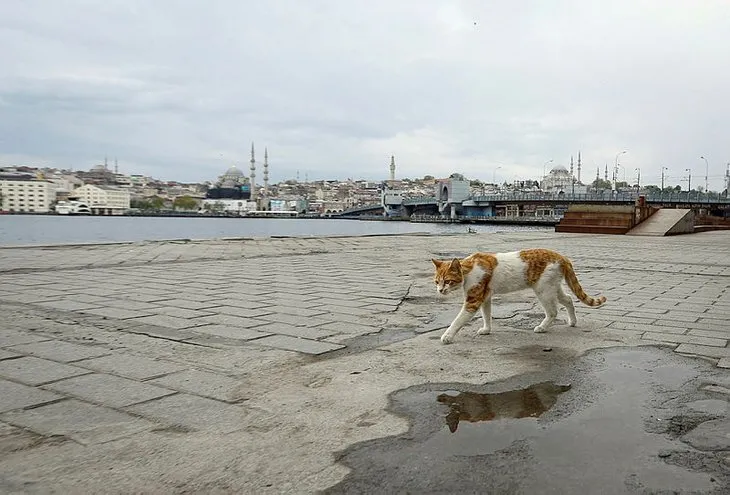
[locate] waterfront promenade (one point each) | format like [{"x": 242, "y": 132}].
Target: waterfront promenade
[{"x": 246, "y": 365}]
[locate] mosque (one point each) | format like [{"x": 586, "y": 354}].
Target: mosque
[
  {"x": 238, "y": 193},
  {"x": 561, "y": 180}
]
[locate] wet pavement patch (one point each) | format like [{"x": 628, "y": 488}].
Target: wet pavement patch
[{"x": 625, "y": 420}]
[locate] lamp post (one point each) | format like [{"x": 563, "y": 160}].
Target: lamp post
[
  {"x": 663, "y": 169},
  {"x": 494, "y": 175},
  {"x": 615, "y": 168},
  {"x": 638, "y": 179},
  {"x": 543, "y": 166},
  {"x": 689, "y": 180},
  {"x": 707, "y": 171}
]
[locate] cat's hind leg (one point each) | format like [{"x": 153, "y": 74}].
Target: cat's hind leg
[
  {"x": 461, "y": 319},
  {"x": 549, "y": 301},
  {"x": 486, "y": 309},
  {"x": 567, "y": 302}
]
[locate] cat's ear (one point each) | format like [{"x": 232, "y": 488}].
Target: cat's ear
[
  {"x": 455, "y": 264},
  {"x": 437, "y": 263}
]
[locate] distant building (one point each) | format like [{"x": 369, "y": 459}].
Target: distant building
[
  {"x": 25, "y": 194},
  {"x": 103, "y": 200},
  {"x": 231, "y": 185},
  {"x": 227, "y": 205},
  {"x": 559, "y": 180}
]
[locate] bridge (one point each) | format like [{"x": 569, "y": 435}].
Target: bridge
[{"x": 532, "y": 204}]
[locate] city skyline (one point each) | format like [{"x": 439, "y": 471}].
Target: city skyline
[{"x": 335, "y": 89}]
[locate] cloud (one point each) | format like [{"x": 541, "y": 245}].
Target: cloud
[{"x": 180, "y": 89}]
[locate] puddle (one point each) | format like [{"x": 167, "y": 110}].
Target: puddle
[
  {"x": 632, "y": 420},
  {"x": 530, "y": 402}
]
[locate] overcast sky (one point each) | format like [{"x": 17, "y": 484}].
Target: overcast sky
[{"x": 178, "y": 89}]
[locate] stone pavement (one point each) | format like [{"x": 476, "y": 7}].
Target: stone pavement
[{"x": 244, "y": 365}]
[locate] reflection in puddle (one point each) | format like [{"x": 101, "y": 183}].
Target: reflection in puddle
[{"x": 529, "y": 402}]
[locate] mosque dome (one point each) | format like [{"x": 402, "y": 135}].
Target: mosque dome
[
  {"x": 233, "y": 173},
  {"x": 559, "y": 169}
]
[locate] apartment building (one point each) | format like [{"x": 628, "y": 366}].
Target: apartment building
[
  {"x": 104, "y": 200},
  {"x": 26, "y": 195}
]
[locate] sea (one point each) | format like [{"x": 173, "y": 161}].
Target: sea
[{"x": 22, "y": 230}]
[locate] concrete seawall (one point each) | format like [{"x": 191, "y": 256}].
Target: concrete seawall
[{"x": 244, "y": 366}]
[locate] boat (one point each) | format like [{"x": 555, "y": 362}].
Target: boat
[{"x": 72, "y": 208}]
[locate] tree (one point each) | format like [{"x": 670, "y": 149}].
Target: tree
[
  {"x": 600, "y": 184},
  {"x": 156, "y": 203},
  {"x": 185, "y": 203},
  {"x": 140, "y": 204}
]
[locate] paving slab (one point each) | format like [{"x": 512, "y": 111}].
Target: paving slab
[
  {"x": 108, "y": 390},
  {"x": 203, "y": 383},
  {"x": 9, "y": 337},
  {"x": 228, "y": 332},
  {"x": 313, "y": 333},
  {"x": 116, "y": 313},
  {"x": 305, "y": 346},
  {"x": 84, "y": 423},
  {"x": 187, "y": 303},
  {"x": 64, "y": 352},
  {"x": 8, "y": 355},
  {"x": 131, "y": 366},
  {"x": 68, "y": 305},
  {"x": 35, "y": 371},
  {"x": 232, "y": 321},
  {"x": 195, "y": 413},
  {"x": 18, "y": 396},
  {"x": 704, "y": 350}
]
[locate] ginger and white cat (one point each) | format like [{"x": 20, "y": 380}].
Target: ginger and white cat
[{"x": 483, "y": 274}]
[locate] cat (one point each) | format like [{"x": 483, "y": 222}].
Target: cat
[
  {"x": 529, "y": 402},
  {"x": 483, "y": 274}
]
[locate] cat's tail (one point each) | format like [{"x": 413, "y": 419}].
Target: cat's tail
[{"x": 572, "y": 281}]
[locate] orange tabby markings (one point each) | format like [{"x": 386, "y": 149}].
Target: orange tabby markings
[{"x": 482, "y": 274}]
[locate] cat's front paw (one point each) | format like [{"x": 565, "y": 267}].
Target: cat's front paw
[
  {"x": 484, "y": 331},
  {"x": 539, "y": 329},
  {"x": 572, "y": 323},
  {"x": 447, "y": 339}
]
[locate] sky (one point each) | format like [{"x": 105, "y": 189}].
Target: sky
[{"x": 179, "y": 89}]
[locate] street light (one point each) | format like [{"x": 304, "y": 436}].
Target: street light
[
  {"x": 638, "y": 178},
  {"x": 689, "y": 180},
  {"x": 543, "y": 166},
  {"x": 494, "y": 175},
  {"x": 615, "y": 168},
  {"x": 707, "y": 170},
  {"x": 663, "y": 169}
]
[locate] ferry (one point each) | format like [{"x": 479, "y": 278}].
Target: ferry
[{"x": 72, "y": 208}]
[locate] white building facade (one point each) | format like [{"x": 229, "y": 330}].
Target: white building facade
[
  {"x": 27, "y": 196},
  {"x": 104, "y": 200}
]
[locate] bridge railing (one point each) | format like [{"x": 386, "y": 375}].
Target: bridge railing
[{"x": 693, "y": 197}]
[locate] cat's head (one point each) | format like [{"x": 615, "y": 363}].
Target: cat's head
[{"x": 448, "y": 275}]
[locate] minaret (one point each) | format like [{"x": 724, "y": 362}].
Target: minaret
[
  {"x": 252, "y": 178},
  {"x": 605, "y": 174},
  {"x": 266, "y": 172},
  {"x": 392, "y": 168},
  {"x": 598, "y": 173},
  {"x": 579, "y": 166},
  {"x": 572, "y": 177},
  {"x": 116, "y": 166},
  {"x": 106, "y": 163}
]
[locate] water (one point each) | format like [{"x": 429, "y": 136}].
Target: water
[{"x": 49, "y": 229}]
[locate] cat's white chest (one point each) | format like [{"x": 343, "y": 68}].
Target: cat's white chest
[
  {"x": 509, "y": 274},
  {"x": 474, "y": 277}
]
